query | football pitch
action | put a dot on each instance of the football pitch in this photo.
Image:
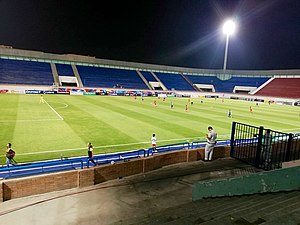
(64, 124)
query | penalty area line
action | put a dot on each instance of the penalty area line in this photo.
(54, 110)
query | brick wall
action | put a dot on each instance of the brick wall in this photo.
(120, 169)
(164, 159)
(16, 188)
(22, 187)
(86, 177)
(198, 154)
(221, 152)
(1, 191)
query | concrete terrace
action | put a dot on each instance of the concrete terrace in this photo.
(161, 196)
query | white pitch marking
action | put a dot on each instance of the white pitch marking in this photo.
(40, 120)
(104, 146)
(292, 129)
(54, 110)
(63, 107)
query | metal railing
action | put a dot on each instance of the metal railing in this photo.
(263, 148)
(64, 164)
(40, 167)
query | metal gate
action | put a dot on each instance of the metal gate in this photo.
(263, 148)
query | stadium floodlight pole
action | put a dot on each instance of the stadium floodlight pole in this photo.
(228, 29)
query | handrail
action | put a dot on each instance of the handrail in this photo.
(100, 159)
(39, 168)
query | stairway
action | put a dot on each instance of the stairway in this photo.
(190, 82)
(264, 209)
(144, 79)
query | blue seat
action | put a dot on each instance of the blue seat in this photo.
(109, 77)
(227, 85)
(174, 81)
(25, 72)
(148, 76)
(64, 70)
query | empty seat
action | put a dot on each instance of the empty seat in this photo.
(148, 76)
(227, 85)
(174, 81)
(282, 87)
(64, 70)
(25, 72)
(109, 77)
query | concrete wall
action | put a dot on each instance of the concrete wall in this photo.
(286, 179)
(21, 187)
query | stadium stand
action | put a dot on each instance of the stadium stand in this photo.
(64, 70)
(39, 68)
(227, 85)
(108, 77)
(283, 87)
(25, 72)
(174, 81)
(148, 76)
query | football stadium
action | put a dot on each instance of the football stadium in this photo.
(149, 129)
(53, 105)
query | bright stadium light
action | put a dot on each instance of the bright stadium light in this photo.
(228, 29)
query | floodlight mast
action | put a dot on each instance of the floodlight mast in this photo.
(228, 29)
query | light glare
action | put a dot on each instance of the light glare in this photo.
(229, 27)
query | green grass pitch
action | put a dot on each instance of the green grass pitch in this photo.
(64, 124)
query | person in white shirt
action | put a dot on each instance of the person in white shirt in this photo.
(211, 142)
(153, 141)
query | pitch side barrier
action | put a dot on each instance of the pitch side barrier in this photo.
(65, 164)
(263, 148)
(40, 167)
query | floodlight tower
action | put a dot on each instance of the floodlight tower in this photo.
(228, 29)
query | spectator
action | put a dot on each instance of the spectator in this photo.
(153, 140)
(10, 153)
(90, 154)
(211, 142)
(267, 148)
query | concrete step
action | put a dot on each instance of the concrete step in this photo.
(184, 210)
(278, 207)
(292, 218)
(254, 206)
(221, 210)
(244, 204)
(254, 213)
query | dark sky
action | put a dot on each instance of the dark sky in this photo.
(183, 33)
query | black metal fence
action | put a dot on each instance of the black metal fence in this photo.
(263, 148)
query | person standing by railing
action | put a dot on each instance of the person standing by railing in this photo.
(211, 142)
(267, 148)
(153, 141)
(90, 154)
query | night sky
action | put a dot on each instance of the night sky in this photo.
(185, 33)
